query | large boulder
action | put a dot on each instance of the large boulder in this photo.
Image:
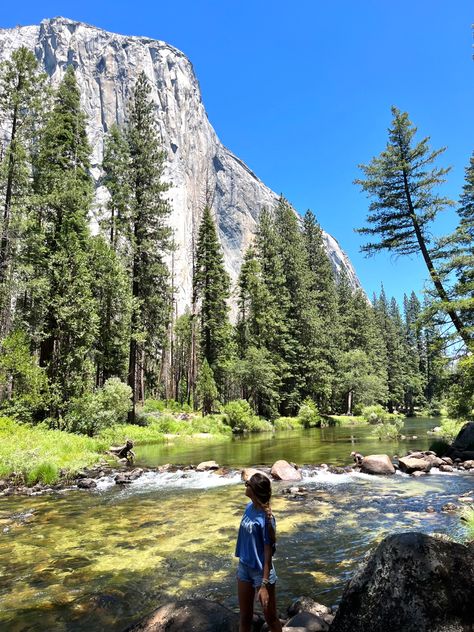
(190, 615)
(465, 439)
(283, 471)
(411, 464)
(377, 464)
(412, 582)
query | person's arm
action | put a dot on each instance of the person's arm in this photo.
(267, 567)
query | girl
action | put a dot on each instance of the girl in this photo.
(255, 549)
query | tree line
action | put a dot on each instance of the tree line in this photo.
(77, 309)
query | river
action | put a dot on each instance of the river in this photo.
(96, 561)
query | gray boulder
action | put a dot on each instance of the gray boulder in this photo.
(307, 604)
(283, 471)
(377, 464)
(410, 464)
(412, 582)
(189, 615)
(206, 466)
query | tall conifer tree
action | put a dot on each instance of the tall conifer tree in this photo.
(64, 190)
(211, 286)
(149, 243)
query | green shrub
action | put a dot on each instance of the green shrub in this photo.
(287, 423)
(94, 412)
(450, 429)
(375, 414)
(240, 417)
(434, 408)
(308, 414)
(388, 430)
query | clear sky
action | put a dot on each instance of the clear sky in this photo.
(302, 91)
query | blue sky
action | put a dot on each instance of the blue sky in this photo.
(302, 92)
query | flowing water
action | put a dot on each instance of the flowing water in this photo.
(96, 561)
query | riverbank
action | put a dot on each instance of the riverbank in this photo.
(31, 455)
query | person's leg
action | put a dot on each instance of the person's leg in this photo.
(246, 593)
(270, 612)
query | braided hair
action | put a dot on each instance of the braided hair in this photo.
(262, 488)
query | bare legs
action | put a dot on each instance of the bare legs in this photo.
(246, 594)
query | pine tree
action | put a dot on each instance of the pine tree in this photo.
(149, 243)
(23, 95)
(390, 327)
(111, 291)
(211, 287)
(402, 185)
(324, 298)
(64, 190)
(116, 165)
(206, 389)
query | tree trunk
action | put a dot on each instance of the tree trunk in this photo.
(460, 328)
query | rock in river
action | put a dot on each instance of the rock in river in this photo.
(377, 464)
(411, 464)
(189, 615)
(207, 465)
(283, 471)
(412, 582)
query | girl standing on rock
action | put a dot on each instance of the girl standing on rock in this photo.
(255, 549)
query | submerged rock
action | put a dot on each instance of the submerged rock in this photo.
(377, 464)
(412, 582)
(190, 615)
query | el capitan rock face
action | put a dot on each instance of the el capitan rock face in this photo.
(199, 168)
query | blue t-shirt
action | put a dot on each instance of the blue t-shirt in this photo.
(253, 535)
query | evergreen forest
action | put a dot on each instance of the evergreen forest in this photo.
(88, 318)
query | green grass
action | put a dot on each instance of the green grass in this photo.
(468, 517)
(37, 454)
(347, 420)
(287, 423)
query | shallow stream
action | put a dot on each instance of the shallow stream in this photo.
(98, 560)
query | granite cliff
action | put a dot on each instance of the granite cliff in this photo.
(199, 167)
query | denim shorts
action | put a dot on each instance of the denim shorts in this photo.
(252, 575)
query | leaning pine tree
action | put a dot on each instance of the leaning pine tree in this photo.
(402, 182)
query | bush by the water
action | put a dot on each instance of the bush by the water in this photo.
(287, 423)
(449, 429)
(94, 412)
(308, 414)
(239, 416)
(387, 425)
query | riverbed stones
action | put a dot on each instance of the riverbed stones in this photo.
(306, 621)
(307, 604)
(411, 582)
(86, 483)
(283, 471)
(205, 466)
(411, 464)
(248, 472)
(377, 464)
(444, 467)
(189, 615)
